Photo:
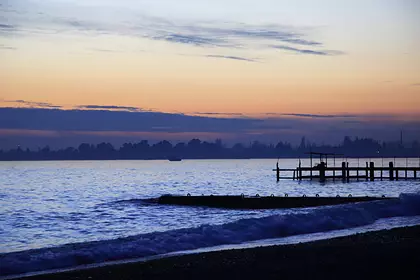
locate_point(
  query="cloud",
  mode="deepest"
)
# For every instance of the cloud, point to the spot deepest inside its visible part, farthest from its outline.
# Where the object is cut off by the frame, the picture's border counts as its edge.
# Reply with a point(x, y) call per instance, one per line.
point(217, 114)
point(320, 116)
point(32, 103)
point(228, 35)
point(108, 125)
point(232, 57)
point(195, 40)
point(111, 120)
point(6, 26)
point(302, 42)
point(415, 85)
point(88, 20)
point(112, 107)
point(307, 51)
point(7, 29)
point(105, 50)
point(340, 117)
point(272, 32)
point(4, 47)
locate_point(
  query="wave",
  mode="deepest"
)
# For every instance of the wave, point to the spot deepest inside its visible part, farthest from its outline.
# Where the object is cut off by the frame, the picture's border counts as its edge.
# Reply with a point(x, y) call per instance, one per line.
point(156, 243)
point(133, 201)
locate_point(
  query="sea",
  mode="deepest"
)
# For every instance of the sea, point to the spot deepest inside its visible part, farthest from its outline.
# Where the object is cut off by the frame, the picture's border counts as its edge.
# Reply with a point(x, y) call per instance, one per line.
point(66, 214)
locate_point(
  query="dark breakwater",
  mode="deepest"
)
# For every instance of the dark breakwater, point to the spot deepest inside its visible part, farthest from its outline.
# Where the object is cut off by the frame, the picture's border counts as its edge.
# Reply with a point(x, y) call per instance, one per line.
point(257, 202)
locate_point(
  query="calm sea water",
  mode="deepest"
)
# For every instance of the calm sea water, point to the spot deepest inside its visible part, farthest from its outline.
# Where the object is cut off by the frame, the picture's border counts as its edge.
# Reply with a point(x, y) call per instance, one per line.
point(46, 204)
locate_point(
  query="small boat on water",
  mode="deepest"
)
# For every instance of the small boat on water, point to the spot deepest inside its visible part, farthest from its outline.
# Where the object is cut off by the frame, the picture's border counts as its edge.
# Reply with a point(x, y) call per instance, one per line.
point(174, 158)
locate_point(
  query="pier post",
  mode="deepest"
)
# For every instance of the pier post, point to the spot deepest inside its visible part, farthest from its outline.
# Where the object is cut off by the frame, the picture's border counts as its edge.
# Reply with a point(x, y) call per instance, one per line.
point(415, 173)
point(372, 171)
point(396, 174)
point(343, 170)
point(300, 170)
point(311, 167)
point(348, 172)
point(391, 171)
point(366, 170)
point(322, 172)
point(278, 172)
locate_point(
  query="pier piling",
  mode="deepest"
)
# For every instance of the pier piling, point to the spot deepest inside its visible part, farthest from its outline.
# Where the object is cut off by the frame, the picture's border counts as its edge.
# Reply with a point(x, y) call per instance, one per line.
point(391, 171)
point(322, 172)
point(382, 169)
point(348, 172)
point(372, 171)
point(343, 171)
point(300, 170)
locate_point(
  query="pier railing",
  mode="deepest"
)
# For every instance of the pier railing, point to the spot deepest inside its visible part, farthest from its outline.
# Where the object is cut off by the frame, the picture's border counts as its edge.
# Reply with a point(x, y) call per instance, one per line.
point(369, 172)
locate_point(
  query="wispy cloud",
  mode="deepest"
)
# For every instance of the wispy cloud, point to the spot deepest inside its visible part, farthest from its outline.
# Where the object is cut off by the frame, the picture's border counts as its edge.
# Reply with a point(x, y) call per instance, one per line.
point(111, 107)
point(344, 117)
point(4, 47)
point(231, 57)
point(189, 39)
point(33, 103)
point(217, 114)
point(6, 26)
point(228, 35)
point(416, 85)
point(307, 51)
point(84, 20)
point(6, 29)
point(105, 50)
point(320, 116)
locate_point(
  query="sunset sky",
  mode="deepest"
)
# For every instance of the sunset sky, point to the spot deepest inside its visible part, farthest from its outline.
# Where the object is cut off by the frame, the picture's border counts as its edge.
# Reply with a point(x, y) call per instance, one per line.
point(228, 58)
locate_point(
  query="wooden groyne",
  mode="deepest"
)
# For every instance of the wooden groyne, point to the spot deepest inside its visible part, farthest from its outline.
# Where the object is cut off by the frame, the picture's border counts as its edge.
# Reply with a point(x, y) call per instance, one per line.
point(369, 172)
point(257, 202)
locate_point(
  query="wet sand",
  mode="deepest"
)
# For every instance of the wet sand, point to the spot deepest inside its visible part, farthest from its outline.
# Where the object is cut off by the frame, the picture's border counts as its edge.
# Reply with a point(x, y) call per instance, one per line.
point(387, 254)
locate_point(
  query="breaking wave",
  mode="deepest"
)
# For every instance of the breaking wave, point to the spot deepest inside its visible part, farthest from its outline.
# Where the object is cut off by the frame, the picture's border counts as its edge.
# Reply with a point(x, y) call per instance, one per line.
point(317, 220)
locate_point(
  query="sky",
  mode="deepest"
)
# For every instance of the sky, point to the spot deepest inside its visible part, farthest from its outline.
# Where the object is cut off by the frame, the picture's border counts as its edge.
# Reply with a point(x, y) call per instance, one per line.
point(301, 62)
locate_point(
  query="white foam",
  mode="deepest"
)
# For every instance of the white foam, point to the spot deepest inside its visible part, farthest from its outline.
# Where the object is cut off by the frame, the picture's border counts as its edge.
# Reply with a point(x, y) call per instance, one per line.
point(318, 220)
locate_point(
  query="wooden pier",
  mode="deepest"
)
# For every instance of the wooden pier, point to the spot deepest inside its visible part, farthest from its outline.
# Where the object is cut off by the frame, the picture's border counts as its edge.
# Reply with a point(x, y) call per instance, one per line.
point(369, 172)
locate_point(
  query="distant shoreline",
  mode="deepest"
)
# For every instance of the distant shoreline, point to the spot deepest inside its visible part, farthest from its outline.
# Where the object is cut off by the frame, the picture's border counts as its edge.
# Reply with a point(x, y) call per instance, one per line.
point(232, 158)
point(372, 255)
point(197, 149)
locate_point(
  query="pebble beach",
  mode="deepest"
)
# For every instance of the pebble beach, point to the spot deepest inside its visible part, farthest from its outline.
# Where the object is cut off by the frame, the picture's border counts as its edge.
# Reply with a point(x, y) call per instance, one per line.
point(386, 254)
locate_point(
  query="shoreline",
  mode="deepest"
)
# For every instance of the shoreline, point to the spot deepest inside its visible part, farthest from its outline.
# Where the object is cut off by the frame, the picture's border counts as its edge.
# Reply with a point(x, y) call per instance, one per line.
point(368, 255)
point(412, 157)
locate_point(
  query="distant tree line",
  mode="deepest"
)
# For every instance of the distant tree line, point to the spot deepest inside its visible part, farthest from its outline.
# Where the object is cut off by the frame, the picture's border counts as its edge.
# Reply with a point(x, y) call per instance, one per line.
point(197, 149)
